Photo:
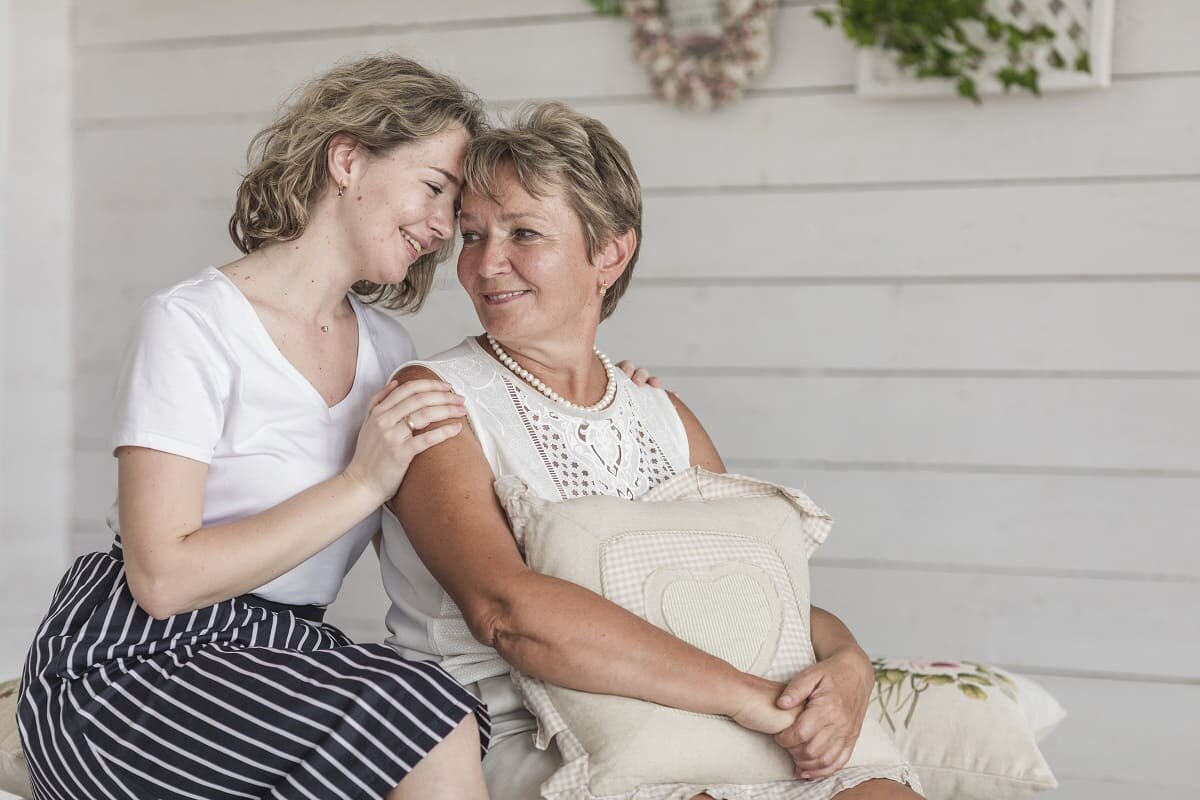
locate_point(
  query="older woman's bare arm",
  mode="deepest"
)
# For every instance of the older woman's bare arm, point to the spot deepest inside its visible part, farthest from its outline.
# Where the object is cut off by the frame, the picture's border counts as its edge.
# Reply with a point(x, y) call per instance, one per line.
point(550, 628)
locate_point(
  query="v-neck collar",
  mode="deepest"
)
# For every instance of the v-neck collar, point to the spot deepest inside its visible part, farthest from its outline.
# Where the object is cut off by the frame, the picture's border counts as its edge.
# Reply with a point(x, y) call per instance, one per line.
point(286, 365)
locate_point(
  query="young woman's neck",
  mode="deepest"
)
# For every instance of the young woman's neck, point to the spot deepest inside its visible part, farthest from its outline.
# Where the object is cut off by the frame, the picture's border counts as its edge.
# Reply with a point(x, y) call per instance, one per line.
point(306, 278)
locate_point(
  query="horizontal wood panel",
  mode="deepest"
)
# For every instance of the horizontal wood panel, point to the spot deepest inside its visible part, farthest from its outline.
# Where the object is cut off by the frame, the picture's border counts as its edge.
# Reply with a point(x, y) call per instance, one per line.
point(33, 564)
point(1114, 525)
point(1072, 789)
point(593, 55)
point(1010, 231)
point(1134, 128)
point(1157, 35)
point(1048, 623)
point(1022, 327)
point(1124, 732)
point(1120, 525)
point(117, 22)
point(1064, 424)
point(981, 232)
point(16, 632)
point(1032, 423)
point(1137, 128)
point(89, 538)
point(1016, 327)
point(142, 249)
point(1022, 425)
point(93, 488)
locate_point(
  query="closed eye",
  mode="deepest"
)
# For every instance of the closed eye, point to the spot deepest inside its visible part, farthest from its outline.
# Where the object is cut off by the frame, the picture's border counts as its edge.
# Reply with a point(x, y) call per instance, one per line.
point(435, 188)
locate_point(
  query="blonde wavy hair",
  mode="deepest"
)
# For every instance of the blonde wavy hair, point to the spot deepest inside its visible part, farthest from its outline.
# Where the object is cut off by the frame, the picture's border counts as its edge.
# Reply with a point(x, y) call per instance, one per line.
point(552, 147)
point(380, 101)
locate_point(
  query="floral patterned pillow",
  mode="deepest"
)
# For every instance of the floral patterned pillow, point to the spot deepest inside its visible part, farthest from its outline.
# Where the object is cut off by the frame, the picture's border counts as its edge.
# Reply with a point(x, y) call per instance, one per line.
point(970, 730)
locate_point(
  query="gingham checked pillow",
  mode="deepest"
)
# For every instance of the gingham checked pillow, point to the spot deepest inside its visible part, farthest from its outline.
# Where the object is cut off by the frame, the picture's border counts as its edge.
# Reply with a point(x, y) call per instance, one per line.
point(720, 561)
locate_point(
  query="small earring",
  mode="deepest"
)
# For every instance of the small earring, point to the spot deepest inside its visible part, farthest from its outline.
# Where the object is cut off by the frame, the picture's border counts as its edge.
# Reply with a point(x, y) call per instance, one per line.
point(603, 289)
point(341, 190)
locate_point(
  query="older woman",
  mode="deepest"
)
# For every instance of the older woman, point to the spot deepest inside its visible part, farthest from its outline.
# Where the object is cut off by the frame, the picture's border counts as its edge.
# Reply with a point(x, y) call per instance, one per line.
point(551, 227)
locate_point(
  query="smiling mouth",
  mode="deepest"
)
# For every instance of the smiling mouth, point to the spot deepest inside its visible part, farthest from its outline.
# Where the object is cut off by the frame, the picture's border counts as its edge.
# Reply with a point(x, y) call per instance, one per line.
point(413, 241)
point(495, 298)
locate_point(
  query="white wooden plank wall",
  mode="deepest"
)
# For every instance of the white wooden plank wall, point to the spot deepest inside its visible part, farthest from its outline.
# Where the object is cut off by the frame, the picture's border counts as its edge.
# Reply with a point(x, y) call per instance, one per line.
point(969, 332)
point(35, 310)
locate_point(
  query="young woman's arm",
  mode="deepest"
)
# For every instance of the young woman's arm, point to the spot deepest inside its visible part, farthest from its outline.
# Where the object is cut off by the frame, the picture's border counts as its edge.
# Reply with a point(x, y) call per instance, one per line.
point(174, 564)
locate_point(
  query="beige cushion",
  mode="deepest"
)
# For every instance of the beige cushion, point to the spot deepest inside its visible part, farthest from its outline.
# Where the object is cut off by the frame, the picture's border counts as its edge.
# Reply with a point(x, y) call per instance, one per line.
point(14, 776)
point(720, 561)
point(970, 730)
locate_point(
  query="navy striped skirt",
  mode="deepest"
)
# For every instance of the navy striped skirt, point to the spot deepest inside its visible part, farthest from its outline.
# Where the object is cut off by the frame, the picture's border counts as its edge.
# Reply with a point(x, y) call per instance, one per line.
point(235, 700)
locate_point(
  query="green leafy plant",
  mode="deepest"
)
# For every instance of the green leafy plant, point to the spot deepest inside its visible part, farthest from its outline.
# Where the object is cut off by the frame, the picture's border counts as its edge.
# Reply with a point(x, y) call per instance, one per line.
point(611, 8)
point(950, 39)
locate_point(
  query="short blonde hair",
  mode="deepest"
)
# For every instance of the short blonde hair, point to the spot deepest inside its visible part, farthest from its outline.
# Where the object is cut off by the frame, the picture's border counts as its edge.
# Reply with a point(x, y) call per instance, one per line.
point(381, 102)
point(552, 147)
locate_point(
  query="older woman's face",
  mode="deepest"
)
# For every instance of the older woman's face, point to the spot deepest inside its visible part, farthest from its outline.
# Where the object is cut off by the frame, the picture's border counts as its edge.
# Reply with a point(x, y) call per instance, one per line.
point(525, 265)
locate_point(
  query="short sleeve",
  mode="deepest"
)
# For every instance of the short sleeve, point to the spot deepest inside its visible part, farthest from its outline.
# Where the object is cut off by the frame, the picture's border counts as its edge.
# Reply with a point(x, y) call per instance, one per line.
point(174, 382)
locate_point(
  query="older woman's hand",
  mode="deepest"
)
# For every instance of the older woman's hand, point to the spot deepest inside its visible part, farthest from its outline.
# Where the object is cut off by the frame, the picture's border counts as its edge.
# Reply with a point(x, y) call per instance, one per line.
point(832, 696)
point(756, 707)
point(638, 375)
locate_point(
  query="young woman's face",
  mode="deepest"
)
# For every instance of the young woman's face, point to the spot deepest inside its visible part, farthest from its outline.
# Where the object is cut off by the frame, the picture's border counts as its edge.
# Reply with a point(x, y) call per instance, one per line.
point(525, 265)
point(400, 205)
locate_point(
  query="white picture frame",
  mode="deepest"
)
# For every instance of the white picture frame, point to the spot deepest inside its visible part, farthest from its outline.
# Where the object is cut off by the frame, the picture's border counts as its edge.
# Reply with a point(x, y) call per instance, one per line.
point(880, 76)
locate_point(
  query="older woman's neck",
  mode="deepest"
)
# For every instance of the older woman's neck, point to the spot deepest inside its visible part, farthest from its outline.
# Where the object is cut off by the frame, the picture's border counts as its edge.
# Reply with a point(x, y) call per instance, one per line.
point(568, 366)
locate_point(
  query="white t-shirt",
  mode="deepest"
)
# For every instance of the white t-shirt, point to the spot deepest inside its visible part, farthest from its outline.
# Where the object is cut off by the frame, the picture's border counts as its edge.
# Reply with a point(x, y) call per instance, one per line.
point(203, 379)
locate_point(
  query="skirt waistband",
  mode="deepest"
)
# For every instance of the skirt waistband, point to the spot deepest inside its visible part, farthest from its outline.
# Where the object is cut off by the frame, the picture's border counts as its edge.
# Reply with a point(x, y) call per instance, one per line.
point(307, 613)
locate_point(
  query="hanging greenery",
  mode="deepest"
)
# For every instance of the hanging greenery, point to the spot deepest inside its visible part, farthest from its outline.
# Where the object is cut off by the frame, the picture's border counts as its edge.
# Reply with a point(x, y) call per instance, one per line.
point(951, 39)
point(610, 8)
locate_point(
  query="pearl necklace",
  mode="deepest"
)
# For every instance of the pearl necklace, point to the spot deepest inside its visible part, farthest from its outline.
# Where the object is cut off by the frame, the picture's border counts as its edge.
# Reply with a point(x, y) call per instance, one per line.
point(610, 389)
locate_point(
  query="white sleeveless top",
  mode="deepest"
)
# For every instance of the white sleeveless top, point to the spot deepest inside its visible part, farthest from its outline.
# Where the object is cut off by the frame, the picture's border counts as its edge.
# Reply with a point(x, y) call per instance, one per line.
point(624, 450)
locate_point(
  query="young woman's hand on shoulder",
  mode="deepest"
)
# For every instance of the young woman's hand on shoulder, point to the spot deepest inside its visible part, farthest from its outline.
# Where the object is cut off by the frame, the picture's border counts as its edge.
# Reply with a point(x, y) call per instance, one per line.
point(394, 432)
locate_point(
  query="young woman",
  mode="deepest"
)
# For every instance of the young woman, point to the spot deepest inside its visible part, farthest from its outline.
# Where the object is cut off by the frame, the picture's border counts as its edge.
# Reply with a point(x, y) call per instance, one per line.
point(191, 661)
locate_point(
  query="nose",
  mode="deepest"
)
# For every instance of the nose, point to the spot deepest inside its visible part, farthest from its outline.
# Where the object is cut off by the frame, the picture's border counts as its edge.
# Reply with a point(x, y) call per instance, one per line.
point(441, 222)
point(492, 257)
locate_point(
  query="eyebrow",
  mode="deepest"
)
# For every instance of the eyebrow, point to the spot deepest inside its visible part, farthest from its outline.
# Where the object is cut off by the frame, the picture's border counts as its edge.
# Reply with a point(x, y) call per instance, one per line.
point(450, 175)
point(509, 216)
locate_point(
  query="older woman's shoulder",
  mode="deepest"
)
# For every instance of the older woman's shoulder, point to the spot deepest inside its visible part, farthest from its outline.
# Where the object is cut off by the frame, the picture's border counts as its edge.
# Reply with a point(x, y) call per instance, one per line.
point(463, 359)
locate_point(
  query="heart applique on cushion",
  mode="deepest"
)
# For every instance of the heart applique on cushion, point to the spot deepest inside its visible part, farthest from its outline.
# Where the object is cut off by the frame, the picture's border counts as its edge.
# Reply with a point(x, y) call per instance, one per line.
point(731, 611)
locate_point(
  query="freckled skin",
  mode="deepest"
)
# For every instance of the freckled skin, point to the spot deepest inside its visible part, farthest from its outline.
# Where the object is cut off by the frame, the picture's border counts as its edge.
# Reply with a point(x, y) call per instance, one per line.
point(542, 249)
point(405, 188)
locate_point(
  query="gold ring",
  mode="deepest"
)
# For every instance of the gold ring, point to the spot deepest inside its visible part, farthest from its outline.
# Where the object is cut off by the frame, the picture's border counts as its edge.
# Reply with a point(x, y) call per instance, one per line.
point(411, 428)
